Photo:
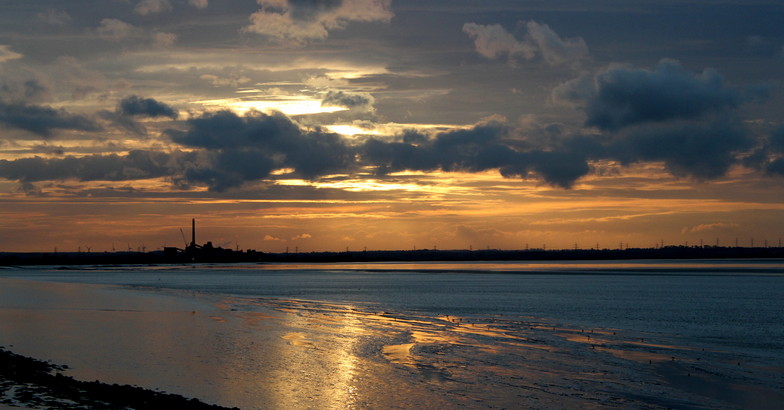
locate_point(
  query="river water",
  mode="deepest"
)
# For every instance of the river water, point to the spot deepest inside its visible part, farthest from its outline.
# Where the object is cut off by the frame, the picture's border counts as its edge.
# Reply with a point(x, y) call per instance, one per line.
point(642, 334)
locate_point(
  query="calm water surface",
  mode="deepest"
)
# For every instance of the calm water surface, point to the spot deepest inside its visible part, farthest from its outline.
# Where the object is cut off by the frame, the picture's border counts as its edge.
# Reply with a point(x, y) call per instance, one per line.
point(510, 334)
point(726, 302)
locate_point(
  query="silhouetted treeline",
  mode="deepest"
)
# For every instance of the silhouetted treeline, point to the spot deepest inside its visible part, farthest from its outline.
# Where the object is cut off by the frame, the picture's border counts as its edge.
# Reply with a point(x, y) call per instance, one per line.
point(672, 252)
point(214, 255)
point(219, 255)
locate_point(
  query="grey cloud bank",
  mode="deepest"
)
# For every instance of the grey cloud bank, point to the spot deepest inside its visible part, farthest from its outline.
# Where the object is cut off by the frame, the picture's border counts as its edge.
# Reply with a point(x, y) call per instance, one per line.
point(43, 120)
point(234, 149)
point(147, 107)
point(699, 117)
point(250, 147)
point(97, 167)
point(620, 97)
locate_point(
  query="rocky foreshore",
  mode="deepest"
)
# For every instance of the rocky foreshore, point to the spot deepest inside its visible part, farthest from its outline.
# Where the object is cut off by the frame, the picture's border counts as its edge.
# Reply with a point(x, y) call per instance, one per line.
point(31, 383)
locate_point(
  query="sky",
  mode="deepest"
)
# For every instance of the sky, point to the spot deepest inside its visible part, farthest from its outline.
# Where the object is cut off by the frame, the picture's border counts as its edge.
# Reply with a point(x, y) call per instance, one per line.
point(326, 125)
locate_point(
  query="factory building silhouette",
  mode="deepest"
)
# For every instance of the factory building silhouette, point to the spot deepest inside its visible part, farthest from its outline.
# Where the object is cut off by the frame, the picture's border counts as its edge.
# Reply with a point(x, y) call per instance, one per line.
point(194, 252)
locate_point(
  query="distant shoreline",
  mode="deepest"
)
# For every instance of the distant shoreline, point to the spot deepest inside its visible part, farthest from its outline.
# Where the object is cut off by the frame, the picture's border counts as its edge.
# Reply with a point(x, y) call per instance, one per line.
point(220, 255)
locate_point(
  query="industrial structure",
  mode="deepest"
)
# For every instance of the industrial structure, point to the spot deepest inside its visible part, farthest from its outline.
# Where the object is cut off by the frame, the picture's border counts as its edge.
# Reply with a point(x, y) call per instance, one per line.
point(193, 252)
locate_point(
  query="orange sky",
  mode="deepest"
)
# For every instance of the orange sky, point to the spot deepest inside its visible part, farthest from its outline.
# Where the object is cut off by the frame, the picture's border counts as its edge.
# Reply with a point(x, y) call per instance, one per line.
point(455, 215)
point(390, 124)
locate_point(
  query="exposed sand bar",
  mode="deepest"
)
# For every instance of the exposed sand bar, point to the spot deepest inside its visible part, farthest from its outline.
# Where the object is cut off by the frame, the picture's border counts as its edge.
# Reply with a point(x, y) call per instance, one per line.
point(273, 353)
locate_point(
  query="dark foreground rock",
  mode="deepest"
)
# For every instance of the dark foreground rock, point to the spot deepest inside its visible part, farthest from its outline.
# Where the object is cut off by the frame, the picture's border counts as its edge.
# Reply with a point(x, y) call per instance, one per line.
point(28, 382)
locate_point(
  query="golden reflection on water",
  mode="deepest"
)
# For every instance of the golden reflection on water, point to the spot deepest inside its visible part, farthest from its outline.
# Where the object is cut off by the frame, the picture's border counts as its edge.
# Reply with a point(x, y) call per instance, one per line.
point(346, 389)
point(292, 384)
point(321, 364)
point(298, 339)
point(494, 361)
point(400, 354)
point(491, 359)
point(271, 353)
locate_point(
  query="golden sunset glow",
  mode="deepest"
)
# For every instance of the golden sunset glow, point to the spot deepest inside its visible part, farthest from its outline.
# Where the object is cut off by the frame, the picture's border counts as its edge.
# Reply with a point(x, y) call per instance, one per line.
point(351, 130)
point(367, 127)
point(288, 106)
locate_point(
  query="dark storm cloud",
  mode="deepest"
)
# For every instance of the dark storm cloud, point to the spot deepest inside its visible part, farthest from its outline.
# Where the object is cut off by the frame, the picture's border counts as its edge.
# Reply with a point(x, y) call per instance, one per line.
point(477, 149)
point(250, 147)
point(689, 122)
point(42, 120)
point(145, 107)
point(621, 97)
point(227, 130)
point(481, 148)
point(135, 165)
point(701, 150)
point(227, 169)
point(131, 108)
point(556, 168)
point(230, 150)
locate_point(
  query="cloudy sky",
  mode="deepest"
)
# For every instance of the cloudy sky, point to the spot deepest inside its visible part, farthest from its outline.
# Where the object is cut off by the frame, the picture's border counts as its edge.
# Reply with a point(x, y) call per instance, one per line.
point(390, 124)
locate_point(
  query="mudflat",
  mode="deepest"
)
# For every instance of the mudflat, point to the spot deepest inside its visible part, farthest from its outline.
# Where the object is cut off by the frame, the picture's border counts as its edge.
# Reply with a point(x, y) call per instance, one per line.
point(278, 353)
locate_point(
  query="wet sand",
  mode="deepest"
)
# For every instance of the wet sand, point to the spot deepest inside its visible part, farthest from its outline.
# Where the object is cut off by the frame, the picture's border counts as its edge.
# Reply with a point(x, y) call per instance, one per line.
point(273, 353)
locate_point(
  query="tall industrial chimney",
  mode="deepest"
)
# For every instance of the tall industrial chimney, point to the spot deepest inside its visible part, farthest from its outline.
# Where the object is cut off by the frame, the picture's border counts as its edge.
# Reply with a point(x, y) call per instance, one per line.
point(193, 232)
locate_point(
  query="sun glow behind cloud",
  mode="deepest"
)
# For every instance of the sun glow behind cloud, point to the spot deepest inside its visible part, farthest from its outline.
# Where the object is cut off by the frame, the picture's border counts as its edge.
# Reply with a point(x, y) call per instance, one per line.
point(424, 92)
point(351, 130)
point(370, 185)
point(289, 106)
